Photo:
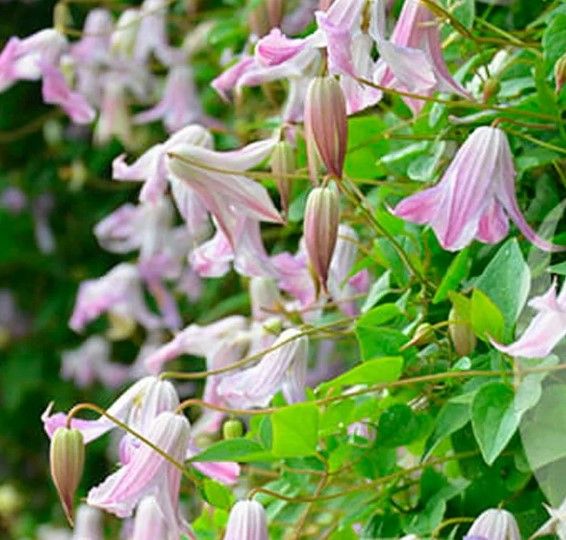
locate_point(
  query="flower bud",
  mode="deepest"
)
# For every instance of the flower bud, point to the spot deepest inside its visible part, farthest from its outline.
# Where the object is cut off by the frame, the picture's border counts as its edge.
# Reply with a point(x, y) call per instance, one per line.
point(491, 88)
point(265, 16)
point(423, 334)
point(247, 521)
point(461, 334)
point(494, 524)
point(282, 165)
point(123, 39)
point(322, 216)
point(67, 455)
point(326, 125)
point(560, 72)
point(232, 429)
point(61, 17)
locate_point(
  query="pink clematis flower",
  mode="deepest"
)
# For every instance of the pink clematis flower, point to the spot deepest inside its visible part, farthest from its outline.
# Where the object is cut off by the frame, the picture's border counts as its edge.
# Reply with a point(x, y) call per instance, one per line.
point(474, 197)
point(118, 292)
point(247, 521)
point(218, 179)
point(547, 328)
point(281, 369)
point(38, 57)
point(91, 362)
point(411, 60)
point(147, 472)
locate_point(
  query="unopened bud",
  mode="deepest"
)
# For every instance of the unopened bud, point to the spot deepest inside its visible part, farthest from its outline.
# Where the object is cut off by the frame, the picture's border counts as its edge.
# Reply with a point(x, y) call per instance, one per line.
point(461, 334)
point(322, 216)
point(247, 520)
point(66, 456)
point(560, 72)
point(424, 334)
point(491, 88)
point(232, 429)
point(282, 166)
point(265, 16)
point(62, 17)
point(326, 124)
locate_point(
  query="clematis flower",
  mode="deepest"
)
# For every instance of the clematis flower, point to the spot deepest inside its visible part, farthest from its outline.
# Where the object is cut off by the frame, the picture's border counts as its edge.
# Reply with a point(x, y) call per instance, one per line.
point(149, 522)
point(494, 525)
point(474, 197)
point(247, 520)
point(148, 472)
point(88, 524)
point(91, 362)
point(547, 328)
point(179, 104)
point(38, 57)
point(264, 297)
point(226, 195)
point(281, 369)
point(555, 525)
point(151, 35)
point(411, 60)
point(118, 292)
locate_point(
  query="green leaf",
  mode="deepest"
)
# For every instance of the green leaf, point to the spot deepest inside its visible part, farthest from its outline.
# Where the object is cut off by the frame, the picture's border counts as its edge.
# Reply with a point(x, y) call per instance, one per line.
point(457, 271)
point(398, 426)
point(380, 370)
point(450, 419)
point(363, 146)
point(494, 419)
point(507, 280)
point(379, 315)
point(217, 494)
point(487, 320)
point(295, 430)
point(554, 40)
point(378, 342)
point(240, 449)
point(377, 291)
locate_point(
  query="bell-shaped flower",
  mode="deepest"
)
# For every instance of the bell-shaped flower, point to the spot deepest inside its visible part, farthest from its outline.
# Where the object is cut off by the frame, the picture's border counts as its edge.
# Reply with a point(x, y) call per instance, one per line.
point(215, 177)
point(247, 520)
point(547, 328)
point(179, 104)
point(114, 119)
point(411, 60)
point(341, 285)
point(198, 340)
point(149, 523)
point(136, 407)
point(213, 258)
point(494, 524)
point(91, 362)
point(474, 197)
point(95, 40)
point(151, 36)
point(284, 368)
point(150, 167)
point(118, 292)
point(148, 472)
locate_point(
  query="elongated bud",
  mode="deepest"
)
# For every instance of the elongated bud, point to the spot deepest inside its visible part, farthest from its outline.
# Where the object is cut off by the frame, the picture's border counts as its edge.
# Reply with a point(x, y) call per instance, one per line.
point(322, 217)
point(67, 455)
point(61, 17)
point(247, 521)
point(494, 524)
point(232, 429)
point(560, 72)
point(265, 16)
point(461, 334)
point(282, 165)
point(424, 334)
point(326, 125)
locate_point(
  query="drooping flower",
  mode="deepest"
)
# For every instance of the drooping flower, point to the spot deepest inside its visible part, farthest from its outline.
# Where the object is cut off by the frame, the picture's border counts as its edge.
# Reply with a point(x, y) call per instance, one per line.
point(475, 196)
point(547, 328)
point(91, 362)
point(494, 524)
point(247, 520)
point(148, 472)
point(149, 523)
point(284, 368)
point(119, 292)
point(88, 524)
point(411, 60)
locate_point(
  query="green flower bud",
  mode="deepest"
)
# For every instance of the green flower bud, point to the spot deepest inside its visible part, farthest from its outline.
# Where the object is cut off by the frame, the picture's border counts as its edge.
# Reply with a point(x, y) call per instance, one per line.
point(560, 72)
point(67, 455)
point(282, 165)
point(232, 429)
point(461, 334)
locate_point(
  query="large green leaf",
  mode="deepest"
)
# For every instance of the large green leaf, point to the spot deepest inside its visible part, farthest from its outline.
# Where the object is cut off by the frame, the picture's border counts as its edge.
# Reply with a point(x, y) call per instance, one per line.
point(457, 271)
point(239, 449)
point(506, 280)
point(295, 430)
point(487, 321)
point(494, 419)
